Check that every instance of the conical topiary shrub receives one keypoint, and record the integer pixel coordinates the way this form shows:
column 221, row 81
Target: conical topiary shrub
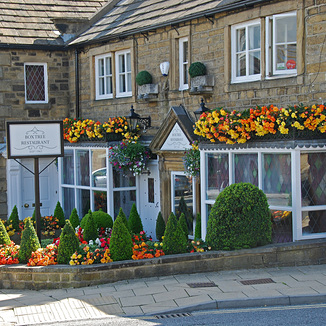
column 198, row 227
column 134, row 222
column 68, row 245
column 74, row 218
column 160, row 227
column 90, row 229
column 183, row 208
column 4, row 237
column 120, row 241
column 183, row 224
column 59, row 214
column 174, row 241
column 29, row 241
column 123, row 217
column 14, row 219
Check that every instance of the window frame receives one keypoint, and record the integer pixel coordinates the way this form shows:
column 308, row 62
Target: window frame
column 247, row 77
column 270, row 45
column 106, row 75
column 126, row 73
column 45, row 77
column 183, row 65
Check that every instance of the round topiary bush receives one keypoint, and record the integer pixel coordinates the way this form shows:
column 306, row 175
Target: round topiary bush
column 197, row 69
column 120, row 241
column 143, row 77
column 135, row 224
column 240, row 218
column 102, row 219
column 68, row 243
column 29, row 241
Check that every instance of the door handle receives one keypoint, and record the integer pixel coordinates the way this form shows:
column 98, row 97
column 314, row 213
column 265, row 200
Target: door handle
column 26, row 205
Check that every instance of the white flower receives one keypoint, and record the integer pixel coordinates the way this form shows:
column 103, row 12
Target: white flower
column 90, row 242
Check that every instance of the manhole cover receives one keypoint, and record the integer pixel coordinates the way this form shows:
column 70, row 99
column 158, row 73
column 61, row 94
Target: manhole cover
column 178, row 315
column 258, row 281
column 202, row 285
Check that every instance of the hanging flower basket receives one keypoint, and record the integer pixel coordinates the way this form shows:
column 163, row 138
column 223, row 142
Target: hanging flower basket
column 191, row 161
column 129, row 156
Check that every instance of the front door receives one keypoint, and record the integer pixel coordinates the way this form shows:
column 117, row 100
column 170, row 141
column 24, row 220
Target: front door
column 149, row 193
column 48, row 187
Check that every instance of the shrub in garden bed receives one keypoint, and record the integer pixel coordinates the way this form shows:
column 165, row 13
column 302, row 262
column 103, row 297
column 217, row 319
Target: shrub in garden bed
column 4, row 237
column 135, row 224
column 9, row 254
column 59, row 214
column 90, row 254
column 240, row 218
column 74, row 218
column 90, row 228
column 14, row 219
column 160, row 227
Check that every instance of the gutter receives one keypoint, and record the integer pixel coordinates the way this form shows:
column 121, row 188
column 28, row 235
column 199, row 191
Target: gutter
column 43, row 47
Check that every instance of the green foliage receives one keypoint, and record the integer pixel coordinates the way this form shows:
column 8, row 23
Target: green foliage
column 14, row 219
column 120, row 241
column 74, row 218
column 174, row 241
column 183, row 224
column 102, row 219
column 135, row 224
column 59, row 214
column 143, row 77
column 90, row 229
column 184, row 209
column 198, row 227
column 160, row 227
column 29, row 241
column 240, row 218
column 197, row 69
column 122, row 215
column 68, row 243
column 4, row 237
column 33, row 217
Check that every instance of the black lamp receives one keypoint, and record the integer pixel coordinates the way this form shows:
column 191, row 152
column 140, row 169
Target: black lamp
column 201, row 110
column 135, row 119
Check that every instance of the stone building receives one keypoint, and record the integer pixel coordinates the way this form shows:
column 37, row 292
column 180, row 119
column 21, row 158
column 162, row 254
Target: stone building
column 256, row 52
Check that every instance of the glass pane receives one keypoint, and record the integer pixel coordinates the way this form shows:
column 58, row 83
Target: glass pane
column 83, row 202
column 108, row 66
column 128, row 82
column 241, row 64
column 125, row 200
column 123, row 179
column 150, row 190
column 217, row 174
column 313, row 179
column 100, row 201
column 82, row 167
column 100, row 67
column 35, row 84
column 68, row 167
column 99, row 178
column 281, row 226
column 313, row 222
column 68, row 198
column 246, row 168
column 128, row 59
column 277, row 179
column 121, row 63
column 254, row 63
column 254, row 37
column 183, row 189
column 109, row 85
column 122, row 83
column 185, row 51
column 286, row 29
column 101, row 86
column 241, row 39
column 185, row 74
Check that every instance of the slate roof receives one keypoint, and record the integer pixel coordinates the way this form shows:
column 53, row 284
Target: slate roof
column 31, row 21
column 132, row 16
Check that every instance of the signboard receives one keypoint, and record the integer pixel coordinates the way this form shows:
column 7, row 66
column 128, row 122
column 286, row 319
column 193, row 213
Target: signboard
column 176, row 140
column 34, row 139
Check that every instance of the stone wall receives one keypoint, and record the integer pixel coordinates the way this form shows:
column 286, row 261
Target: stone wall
column 312, row 252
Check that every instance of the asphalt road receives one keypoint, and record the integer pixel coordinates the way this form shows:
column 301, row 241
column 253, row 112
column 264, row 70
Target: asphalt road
column 268, row 316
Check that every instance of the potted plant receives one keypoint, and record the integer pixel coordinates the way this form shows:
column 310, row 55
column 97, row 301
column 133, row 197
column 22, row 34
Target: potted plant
column 200, row 81
column 146, row 89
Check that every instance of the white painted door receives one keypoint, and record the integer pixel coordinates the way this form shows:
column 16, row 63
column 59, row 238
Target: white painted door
column 48, row 180
column 149, row 194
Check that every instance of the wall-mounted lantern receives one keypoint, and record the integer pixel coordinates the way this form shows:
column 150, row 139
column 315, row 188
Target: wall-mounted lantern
column 201, row 110
column 135, row 119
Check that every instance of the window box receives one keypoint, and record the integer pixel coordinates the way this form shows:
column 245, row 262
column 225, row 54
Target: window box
column 202, row 84
column 147, row 91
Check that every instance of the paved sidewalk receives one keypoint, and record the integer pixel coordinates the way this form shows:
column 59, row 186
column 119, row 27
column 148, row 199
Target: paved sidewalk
column 167, row 295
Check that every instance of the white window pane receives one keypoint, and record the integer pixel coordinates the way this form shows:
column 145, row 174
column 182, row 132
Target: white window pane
column 128, row 61
column 128, row 82
column 108, row 66
column 185, row 51
column 241, row 65
column 122, row 83
column 241, row 39
column 101, row 86
column 286, row 57
column 254, row 63
column 286, row 30
column 108, row 85
column 121, row 63
column 100, row 67
column 185, row 73
column 254, row 37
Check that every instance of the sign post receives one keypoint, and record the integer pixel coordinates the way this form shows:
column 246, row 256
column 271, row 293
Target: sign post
column 35, row 139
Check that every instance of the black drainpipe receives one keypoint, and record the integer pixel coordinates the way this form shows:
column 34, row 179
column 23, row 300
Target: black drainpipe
column 77, row 83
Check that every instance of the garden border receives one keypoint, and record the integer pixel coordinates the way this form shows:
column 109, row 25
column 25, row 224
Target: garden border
column 307, row 252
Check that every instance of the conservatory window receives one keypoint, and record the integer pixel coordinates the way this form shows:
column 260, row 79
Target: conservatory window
column 246, row 168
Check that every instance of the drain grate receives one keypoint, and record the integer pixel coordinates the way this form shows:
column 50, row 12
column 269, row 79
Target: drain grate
column 258, row 281
column 178, row 315
column 201, row 285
